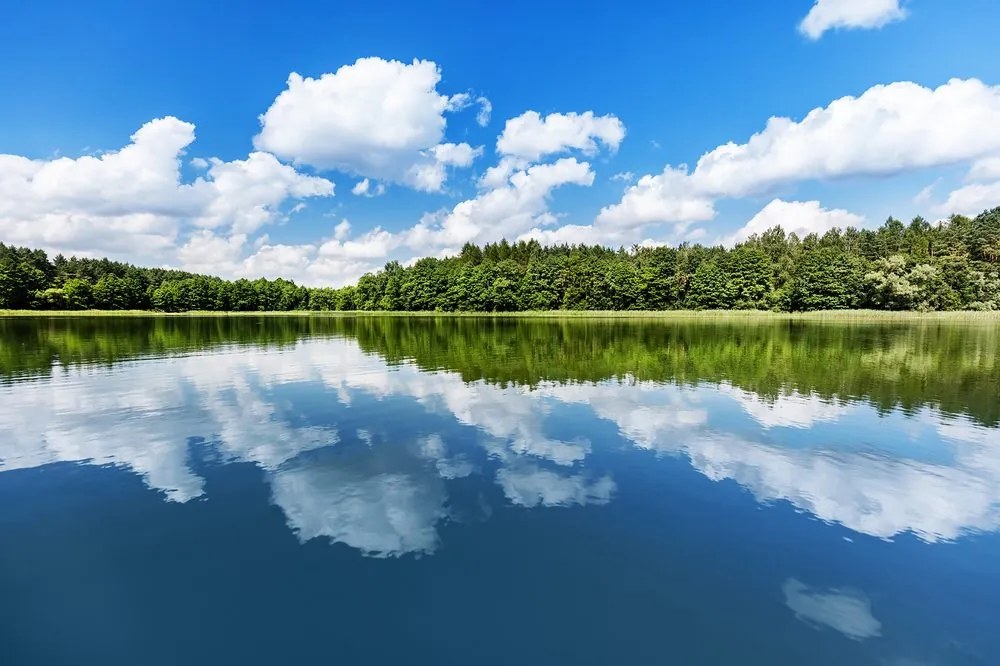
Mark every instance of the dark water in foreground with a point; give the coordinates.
(392, 491)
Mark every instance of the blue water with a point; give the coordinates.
(314, 503)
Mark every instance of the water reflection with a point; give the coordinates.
(847, 611)
(357, 450)
(383, 503)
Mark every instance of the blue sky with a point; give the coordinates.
(239, 172)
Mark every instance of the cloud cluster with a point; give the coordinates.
(135, 200)
(867, 14)
(385, 121)
(795, 217)
(889, 129)
(531, 137)
(980, 192)
(514, 194)
(380, 119)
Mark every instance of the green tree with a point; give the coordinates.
(709, 288)
(79, 294)
(826, 279)
(749, 272)
(118, 293)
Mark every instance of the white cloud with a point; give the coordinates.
(847, 611)
(376, 118)
(365, 188)
(335, 261)
(277, 260)
(205, 252)
(458, 102)
(887, 130)
(431, 175)
(970, 199)
(485, 111)
(506, 211)
(666, 197)
(985, 170)
(455, 154)
(245, 194)
(799, 217)
(342, 230)
(829, 14)
(981, 191)
(531, 137)
(133, 203)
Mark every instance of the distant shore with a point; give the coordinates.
(827, 315)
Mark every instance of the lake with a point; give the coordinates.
(372, 490)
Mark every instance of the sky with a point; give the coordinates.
(317, 141)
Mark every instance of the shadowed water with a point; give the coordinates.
(481, 491)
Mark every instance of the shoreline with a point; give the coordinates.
(665, 315)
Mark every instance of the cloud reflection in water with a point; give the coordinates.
(389, 498)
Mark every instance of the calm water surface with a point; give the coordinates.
(436, 491)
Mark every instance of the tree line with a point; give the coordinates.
(30, 281)
(950, 265)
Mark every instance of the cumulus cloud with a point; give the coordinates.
(970, 199)
(799, 217)
(335, 261)
(887, 130)
(531, 137)
(846, 611)
(985, 170)
(431, 175)
(206, 252)
(133, 200)
(365, 188)
(245, 194)
(830, 14)
(514, 194)
(507, 210)
(981, 191)
(380, 119)
(342, 230)
(665, 197)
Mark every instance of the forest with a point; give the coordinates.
(950, 265)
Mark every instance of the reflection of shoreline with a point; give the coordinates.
(891, 365)
(388, 498)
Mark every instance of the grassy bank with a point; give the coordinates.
(831, 315)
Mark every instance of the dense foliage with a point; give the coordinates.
(951, 366)
(947, 266)
(29, 280)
